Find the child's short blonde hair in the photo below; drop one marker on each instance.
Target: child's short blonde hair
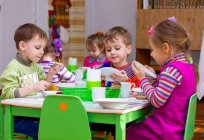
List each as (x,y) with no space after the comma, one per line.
(117,31)
(27,31)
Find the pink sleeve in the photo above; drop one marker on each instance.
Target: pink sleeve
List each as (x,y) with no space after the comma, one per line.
(86,61)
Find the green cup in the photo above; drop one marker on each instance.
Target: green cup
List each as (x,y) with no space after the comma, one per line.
(91,84)
(72,68)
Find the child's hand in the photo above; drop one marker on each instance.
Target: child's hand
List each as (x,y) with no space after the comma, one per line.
(122,77)
(54,69)
(150,68)
(41,86)
(103,77)
(137,96)
(138,72)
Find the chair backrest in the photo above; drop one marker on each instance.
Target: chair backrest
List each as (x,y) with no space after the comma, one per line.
(63,117)
(190,120)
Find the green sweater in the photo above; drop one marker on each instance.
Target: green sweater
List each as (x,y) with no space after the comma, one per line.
(19,74)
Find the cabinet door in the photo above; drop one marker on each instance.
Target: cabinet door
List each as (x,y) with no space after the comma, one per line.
(13,13)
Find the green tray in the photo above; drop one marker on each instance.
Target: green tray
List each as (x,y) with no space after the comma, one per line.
(85,94)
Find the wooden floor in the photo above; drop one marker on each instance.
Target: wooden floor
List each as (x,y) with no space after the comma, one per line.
(199,123)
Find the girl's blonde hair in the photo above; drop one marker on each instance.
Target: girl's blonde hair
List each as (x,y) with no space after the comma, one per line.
(95,40)
(175,35)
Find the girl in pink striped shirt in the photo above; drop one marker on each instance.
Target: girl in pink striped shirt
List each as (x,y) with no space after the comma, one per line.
(171,92)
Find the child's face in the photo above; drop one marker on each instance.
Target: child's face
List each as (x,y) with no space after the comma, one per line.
(117,52)
(33,49)
(96,52)
(160,53)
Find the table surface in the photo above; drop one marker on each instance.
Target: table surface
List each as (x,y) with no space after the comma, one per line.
(90,106)
(96,114)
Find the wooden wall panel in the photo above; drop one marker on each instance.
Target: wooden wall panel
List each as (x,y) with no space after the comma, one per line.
(192,19)
(76,45)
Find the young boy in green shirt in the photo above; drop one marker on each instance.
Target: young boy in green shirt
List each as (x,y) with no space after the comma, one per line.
(23,76)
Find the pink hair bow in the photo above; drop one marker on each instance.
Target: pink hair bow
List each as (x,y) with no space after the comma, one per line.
(150,31)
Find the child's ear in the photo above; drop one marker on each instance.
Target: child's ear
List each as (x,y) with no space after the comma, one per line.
(21,45)
(129,49)
(166,48)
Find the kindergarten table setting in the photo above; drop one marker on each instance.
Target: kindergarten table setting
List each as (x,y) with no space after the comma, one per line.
(103,104)
(89,89)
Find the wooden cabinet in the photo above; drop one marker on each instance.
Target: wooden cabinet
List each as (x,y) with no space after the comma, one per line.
(192,19)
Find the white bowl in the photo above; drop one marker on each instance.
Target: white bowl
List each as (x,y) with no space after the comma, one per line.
(115,103)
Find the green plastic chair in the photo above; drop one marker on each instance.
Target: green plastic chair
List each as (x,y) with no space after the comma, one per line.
(190,120)
(63,117)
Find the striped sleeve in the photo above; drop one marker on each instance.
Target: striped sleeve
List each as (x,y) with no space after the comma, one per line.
(168,80)
(66,75)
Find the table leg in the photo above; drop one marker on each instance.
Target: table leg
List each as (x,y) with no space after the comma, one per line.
(8,124)
(120,127)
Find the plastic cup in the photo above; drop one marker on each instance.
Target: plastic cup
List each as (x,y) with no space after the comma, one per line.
(125,89)
(98,93)
(79,73)
(72,68)
(91,84)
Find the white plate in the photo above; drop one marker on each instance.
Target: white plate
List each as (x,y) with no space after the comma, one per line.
(115,103)
(146,70)
(41,95)
(50,92)
(107,71)
(65,85)
(138,91)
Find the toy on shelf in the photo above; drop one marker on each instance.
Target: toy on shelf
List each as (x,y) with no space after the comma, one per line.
(59,14)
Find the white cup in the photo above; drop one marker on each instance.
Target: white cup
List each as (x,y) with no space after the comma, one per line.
(80,84)
(79,73)
(98,93)
(72,61)
(125,89)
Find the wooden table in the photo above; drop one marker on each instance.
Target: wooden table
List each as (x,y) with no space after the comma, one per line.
(31,107)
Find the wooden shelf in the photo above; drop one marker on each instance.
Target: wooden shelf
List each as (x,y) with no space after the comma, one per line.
(192,19)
